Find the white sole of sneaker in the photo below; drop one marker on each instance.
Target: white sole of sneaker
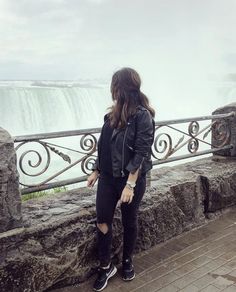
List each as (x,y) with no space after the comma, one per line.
(105,284)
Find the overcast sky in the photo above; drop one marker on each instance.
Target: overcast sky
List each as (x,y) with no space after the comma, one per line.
(72,39)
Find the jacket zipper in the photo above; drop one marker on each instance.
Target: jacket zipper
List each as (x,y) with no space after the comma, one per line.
(123,151)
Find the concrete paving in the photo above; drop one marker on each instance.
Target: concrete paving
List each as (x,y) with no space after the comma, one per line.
(203,259)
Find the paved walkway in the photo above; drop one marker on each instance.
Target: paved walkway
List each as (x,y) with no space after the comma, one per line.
(200,260)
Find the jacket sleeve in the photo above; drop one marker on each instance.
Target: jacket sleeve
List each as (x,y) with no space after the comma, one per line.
(95,165)
(144,138)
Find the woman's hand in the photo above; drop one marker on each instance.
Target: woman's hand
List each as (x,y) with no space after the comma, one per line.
(91,180)
(127,195)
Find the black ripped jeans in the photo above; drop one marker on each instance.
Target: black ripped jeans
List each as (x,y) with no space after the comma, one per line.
(108,193)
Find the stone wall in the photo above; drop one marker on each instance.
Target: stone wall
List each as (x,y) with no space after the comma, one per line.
(57,245)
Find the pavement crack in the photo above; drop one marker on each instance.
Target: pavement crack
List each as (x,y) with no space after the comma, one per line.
(226,276)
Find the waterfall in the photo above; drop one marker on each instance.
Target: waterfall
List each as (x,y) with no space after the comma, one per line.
(31,107)
(38,107)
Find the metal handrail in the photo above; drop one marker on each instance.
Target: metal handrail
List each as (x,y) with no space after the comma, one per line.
(201,118)
(88,147)
(62,134)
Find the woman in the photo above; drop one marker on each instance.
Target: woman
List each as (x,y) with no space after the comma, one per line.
(124,157)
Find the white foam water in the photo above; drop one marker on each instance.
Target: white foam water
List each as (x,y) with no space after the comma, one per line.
(35,107)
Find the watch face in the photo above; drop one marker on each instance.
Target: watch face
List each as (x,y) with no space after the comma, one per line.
(131,184)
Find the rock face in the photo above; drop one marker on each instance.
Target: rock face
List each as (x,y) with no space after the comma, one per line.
(57,245)
(226,132)
(10,202)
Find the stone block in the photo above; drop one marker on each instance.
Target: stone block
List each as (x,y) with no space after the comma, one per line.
(10,201)
(226,132)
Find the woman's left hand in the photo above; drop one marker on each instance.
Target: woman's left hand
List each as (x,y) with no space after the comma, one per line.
(127,195)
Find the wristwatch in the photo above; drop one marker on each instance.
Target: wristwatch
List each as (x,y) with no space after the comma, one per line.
(130,184)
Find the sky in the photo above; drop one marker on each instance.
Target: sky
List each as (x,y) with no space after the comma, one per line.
(84,39)
(177,46)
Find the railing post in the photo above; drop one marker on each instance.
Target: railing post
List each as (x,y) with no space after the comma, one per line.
(10,200)
(227,131)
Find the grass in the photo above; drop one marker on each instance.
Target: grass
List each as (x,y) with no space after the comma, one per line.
(40,194)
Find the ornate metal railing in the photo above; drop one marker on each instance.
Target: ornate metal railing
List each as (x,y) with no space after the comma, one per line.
(169,139)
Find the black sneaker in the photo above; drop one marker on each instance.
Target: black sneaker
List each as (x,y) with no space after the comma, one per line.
(103,276)
(127,270)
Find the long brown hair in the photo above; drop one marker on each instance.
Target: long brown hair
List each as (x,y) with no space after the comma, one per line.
(126,94)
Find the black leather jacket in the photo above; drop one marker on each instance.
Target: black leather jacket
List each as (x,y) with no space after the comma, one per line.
(131,146)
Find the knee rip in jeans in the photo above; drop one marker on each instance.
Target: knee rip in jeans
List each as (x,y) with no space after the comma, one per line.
(103,227)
